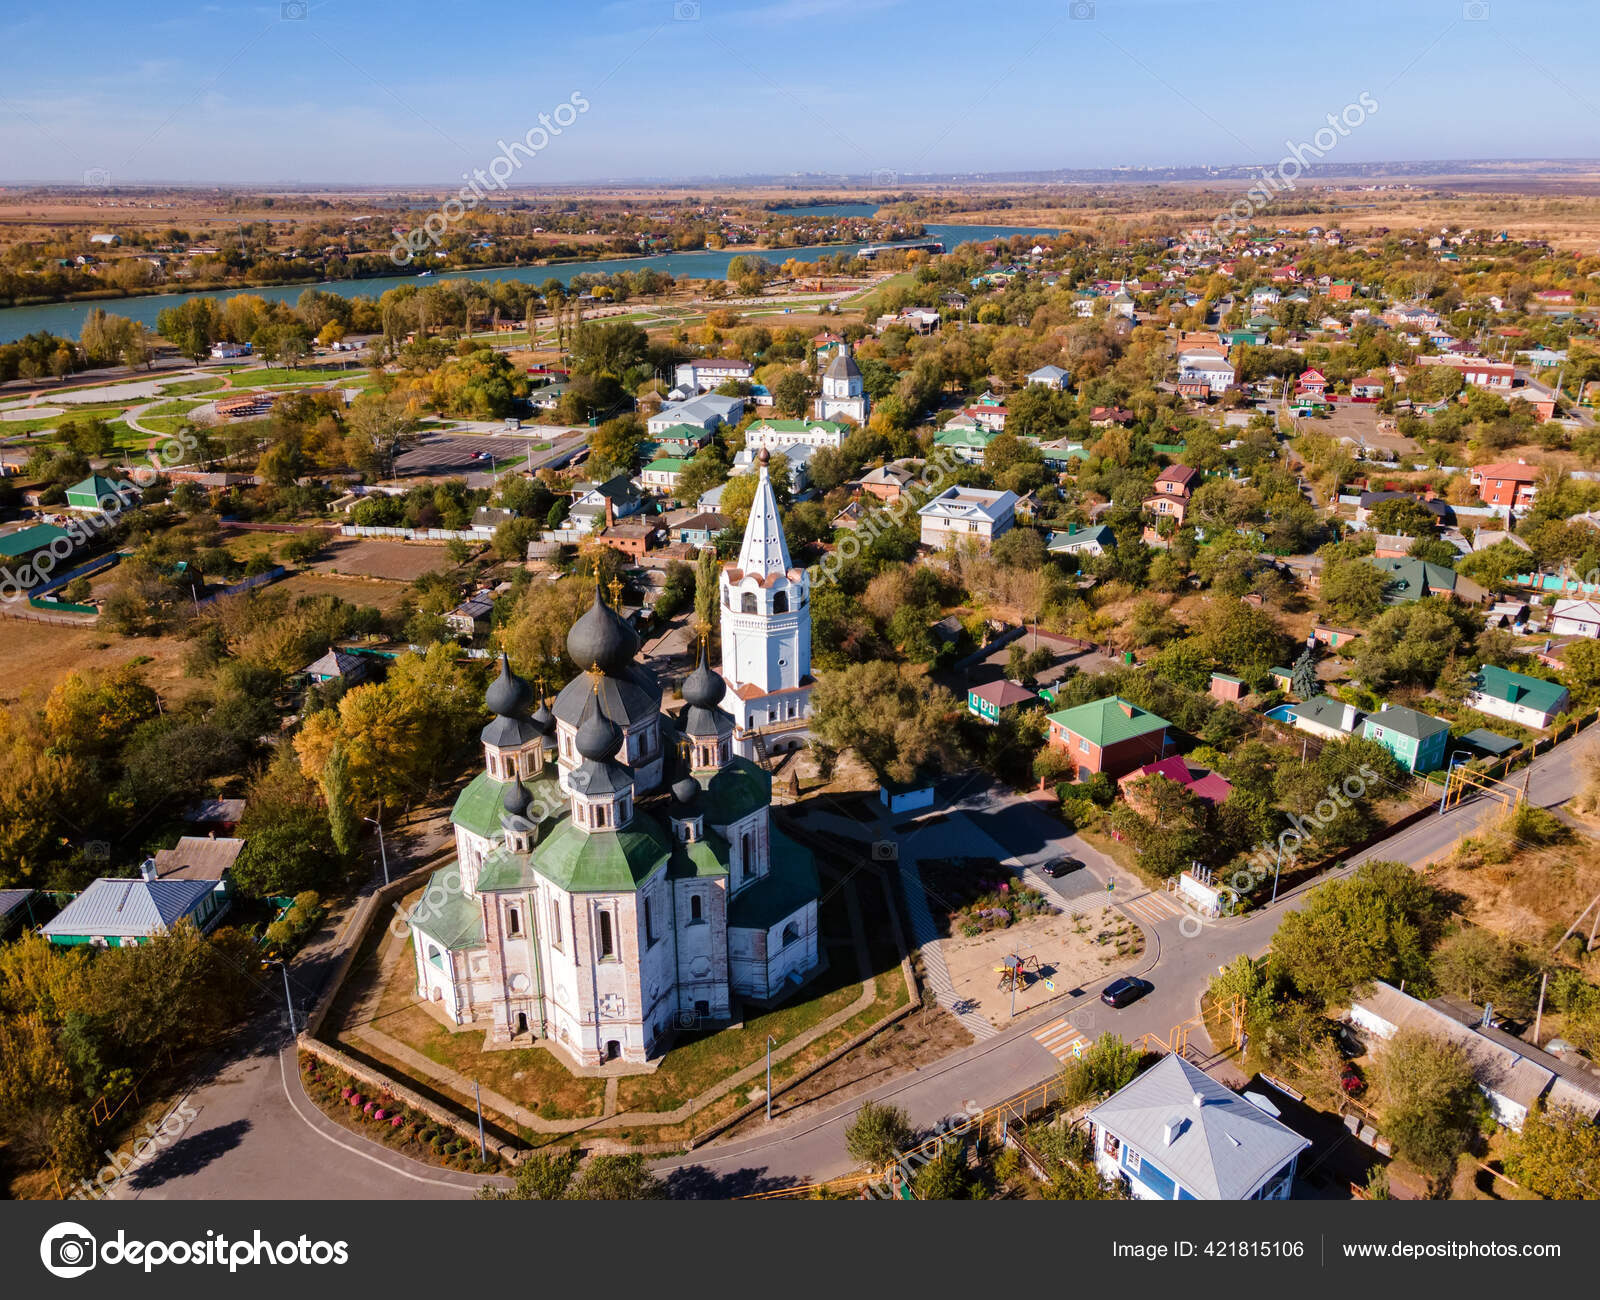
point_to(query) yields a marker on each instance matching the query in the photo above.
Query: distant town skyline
(331, 92)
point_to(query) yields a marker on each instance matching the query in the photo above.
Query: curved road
(255, 1134)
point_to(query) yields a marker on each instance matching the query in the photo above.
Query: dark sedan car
(1062, 867)
(1122, 991)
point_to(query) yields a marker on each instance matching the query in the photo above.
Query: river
(66, 318)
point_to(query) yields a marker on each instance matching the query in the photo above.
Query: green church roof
(446, 914)
(790, 883)
(602, 862)
(704, 859)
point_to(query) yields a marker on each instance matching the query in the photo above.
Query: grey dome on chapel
(598, 737)
(602, 639)
(703, 688)
(508, 695)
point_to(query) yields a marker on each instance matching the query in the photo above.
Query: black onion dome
(703, 688)
(601, 638)
(508, 694)
(516, 798)
(686, 790)
(543, 720)
(598, 737)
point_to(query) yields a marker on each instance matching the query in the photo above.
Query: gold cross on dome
(616, 588)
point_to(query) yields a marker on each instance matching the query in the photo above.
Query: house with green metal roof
(1112, 735)
(100, 493)
(1411, 580)
(965, 440)
(1417, 740)
(22, 543)
(663, 473)
(1529, 701)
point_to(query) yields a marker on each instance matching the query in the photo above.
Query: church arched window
(780, 602)
(791, 934)
(747, 603)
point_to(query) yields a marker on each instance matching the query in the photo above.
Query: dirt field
(373, 557)
(386, 595)
(35, 656)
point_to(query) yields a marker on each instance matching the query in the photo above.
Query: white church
(766, 625)
(844, 394)
(618, 878)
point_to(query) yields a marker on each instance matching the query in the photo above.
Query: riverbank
(65, 319)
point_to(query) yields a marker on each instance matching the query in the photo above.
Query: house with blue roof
(117, 913)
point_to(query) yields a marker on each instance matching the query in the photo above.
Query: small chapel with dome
(618, 878)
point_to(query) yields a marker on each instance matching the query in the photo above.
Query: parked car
(1062, 867)
(1351, 1081)
(1120, 992)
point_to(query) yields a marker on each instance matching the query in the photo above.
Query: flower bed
(377, 1115)
(977, 895)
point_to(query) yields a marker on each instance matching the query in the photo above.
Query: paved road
(1178, 967)
(256, 1136)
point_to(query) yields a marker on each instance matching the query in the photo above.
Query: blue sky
(363, 92)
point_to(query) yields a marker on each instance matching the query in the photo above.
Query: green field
(191, 386)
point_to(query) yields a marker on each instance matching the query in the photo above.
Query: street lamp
(1449, 768)
(382, 852)
(771, 1043)
(288, 1000)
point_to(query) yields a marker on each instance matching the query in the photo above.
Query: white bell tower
(766, 625)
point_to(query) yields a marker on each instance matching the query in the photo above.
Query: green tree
(878, 1134)
(1429, 1102)
(342, 823)
(896, 720)
(1375, 924)
(1557, 1155)
(617, 1178)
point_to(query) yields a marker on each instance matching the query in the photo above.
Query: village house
(123, 913)
(961, 514)
(1201, 782)
(339, 666)
(1095, 539)
(1529, 701)
(1417, 740)
(700, 530)
(1506, 484)
(1171, 491)
(704, 412)
(472, 616)
(1575, 618)
(1049, 377)
(1176, 1134)
(990, 700)
(1512, 1074)
(1326, 717)
(1110, 735)
(600, 504)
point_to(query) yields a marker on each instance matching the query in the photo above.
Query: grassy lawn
(184, 386)
(283, 375)
(531, 1076)
(869, 303)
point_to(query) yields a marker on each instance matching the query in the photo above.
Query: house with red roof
(1312, 383)
(1509, 484)
(1198, 781)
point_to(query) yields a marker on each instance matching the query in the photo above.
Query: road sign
(1050, 984)
(1110, 886)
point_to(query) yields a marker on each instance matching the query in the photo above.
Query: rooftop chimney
(1199, 1100)
(147, 869)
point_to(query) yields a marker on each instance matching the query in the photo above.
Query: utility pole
(382, 852)
(477, 1096)
(1539, 1018)
(288, 1000)
(771, 1042)
(1276, 872)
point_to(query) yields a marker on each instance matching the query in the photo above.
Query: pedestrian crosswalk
(1153, 908)
(1061, 1039)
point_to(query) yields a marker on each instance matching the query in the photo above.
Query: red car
(1351, 1081)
